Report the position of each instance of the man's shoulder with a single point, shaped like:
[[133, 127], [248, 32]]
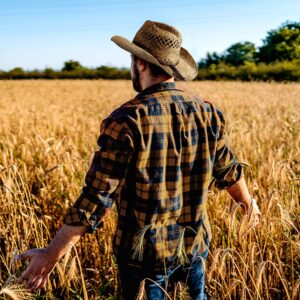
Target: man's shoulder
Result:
[[124, 110], [207, 104]]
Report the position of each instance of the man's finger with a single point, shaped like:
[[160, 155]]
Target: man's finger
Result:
[[25, 255], [25, 275], [36, 283], [31, 281], [43, 282], [257, 219], [21, 256]]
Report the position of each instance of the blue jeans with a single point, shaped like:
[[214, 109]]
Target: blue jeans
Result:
[[192, 275]]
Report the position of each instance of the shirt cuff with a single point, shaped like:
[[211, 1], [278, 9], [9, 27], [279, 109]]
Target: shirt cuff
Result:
[[80, 217], [229, 175]]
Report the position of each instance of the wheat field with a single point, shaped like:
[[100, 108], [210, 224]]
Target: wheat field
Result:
[[48, 135]]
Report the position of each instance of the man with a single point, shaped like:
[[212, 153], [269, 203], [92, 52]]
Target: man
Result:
[[158, 155]]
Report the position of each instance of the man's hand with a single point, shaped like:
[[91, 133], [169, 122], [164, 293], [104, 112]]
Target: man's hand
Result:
[[43, 260], [254, 212], [41, 265], [240, 193]]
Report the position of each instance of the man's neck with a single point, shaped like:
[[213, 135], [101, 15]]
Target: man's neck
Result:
[[151, 81]]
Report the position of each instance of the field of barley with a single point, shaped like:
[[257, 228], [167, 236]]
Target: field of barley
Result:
[[48, 135]]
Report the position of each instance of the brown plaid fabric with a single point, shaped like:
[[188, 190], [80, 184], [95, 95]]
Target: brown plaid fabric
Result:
[[158, 154]]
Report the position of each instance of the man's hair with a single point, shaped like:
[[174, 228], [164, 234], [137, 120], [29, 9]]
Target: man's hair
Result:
[[155, 70]]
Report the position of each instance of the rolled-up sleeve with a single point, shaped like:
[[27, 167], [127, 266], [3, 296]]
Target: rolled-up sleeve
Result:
[[106, 176], [227, 169]]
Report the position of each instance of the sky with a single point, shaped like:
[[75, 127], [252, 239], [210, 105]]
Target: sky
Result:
[[39, 34]]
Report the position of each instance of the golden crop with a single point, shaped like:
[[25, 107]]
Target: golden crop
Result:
[[48, 133]]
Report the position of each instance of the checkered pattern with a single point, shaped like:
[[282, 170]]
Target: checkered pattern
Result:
[[158, 154]]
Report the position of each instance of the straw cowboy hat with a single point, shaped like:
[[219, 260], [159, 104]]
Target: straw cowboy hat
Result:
[[160, 44]]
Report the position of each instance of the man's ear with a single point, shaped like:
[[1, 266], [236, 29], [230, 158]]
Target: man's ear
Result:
[[141, 64]]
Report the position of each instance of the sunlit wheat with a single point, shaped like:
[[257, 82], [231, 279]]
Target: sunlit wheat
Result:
[[48, 135]]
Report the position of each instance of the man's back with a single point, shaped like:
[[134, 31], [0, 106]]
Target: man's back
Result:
[[179, 145]]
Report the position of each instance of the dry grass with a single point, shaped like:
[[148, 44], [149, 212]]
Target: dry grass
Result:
[[48, 135]]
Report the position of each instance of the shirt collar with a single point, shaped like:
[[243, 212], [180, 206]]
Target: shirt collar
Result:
[[158, 87]]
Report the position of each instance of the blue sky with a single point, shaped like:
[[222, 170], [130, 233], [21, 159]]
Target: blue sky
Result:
[[39, 34]]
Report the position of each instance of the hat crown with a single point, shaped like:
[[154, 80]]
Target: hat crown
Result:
[[161, 40]]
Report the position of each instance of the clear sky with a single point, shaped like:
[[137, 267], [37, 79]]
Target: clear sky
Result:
[[39, 34]]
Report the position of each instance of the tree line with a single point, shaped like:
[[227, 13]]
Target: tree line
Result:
[[277, 59]]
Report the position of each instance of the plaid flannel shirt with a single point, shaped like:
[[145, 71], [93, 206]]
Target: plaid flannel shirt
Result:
[[158, 154]]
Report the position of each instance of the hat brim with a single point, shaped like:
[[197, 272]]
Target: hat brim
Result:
[[186, 69]]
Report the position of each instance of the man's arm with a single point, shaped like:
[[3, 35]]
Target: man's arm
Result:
[[240, 193], [104, 181], [43, 260], [228, 172]]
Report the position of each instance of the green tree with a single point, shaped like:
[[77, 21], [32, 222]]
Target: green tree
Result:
[[17, 73], [211, 59], [72, 65], [239, 53], [281, 44], [49, 73]]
